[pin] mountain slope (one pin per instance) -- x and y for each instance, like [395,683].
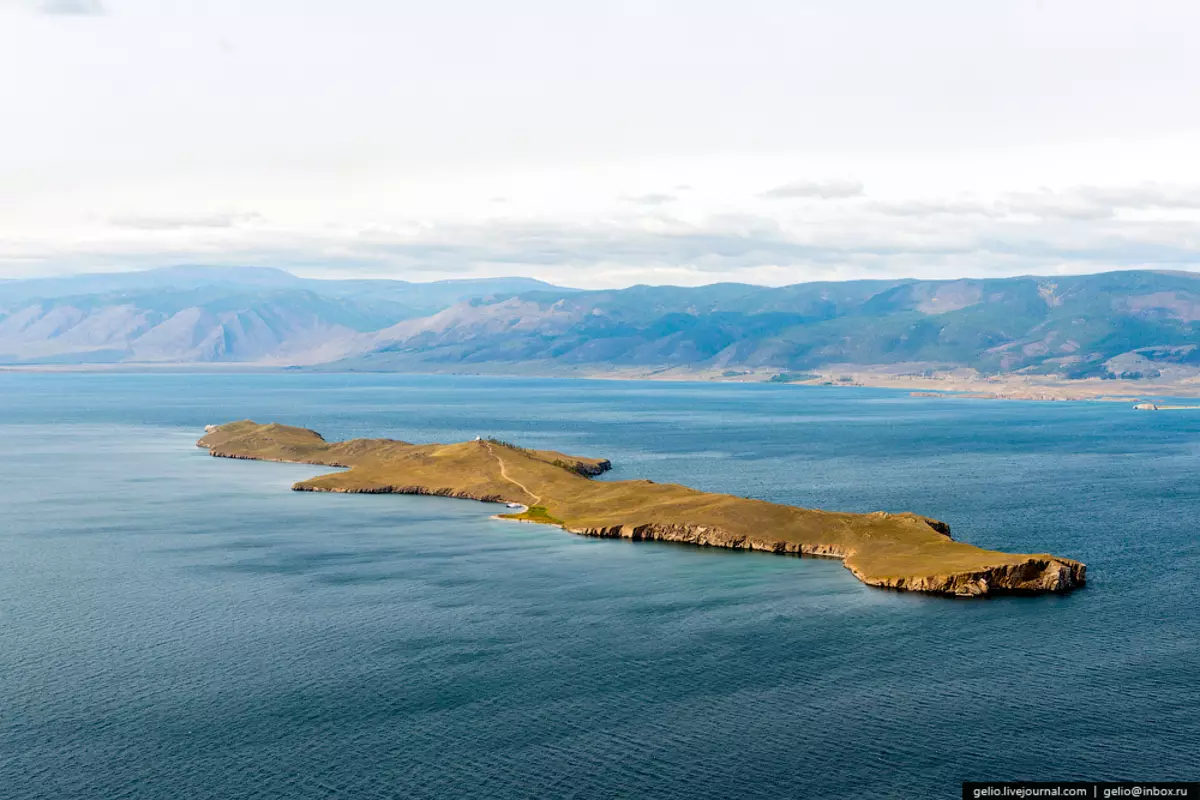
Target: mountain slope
[1077,326]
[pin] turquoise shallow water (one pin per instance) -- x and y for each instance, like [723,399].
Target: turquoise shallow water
[173,625]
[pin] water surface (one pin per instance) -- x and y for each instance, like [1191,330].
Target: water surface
[173,625]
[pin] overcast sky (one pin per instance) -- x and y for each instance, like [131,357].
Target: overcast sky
[601,143]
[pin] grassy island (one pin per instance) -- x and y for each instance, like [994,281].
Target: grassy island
[899,551]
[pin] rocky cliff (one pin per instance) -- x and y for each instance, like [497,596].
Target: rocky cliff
[1036,574]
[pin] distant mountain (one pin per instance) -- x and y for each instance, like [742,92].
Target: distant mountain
[196,314]
[168,278]
[1139,324]
[1134,323]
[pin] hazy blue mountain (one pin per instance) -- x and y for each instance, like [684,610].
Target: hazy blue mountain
[437,294]
[1112,323]
[1132,323]
[167,278]
[195,314]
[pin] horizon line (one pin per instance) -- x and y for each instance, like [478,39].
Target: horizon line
[249,268]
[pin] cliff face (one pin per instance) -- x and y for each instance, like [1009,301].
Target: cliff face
[593,469]
[710,537]
[418,490]
[907,552]
[1036,574]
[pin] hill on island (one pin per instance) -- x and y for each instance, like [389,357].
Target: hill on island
[1135,324]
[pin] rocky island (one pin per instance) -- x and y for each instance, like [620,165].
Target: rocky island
[899,551]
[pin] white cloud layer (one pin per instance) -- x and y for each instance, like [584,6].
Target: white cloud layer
[601,144]
[85,7]
[826,190]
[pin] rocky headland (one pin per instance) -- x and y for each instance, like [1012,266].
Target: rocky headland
[898,551]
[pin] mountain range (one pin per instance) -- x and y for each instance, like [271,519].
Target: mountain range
[202,314]
[1131,324]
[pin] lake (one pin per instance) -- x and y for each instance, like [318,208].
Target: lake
[179,626]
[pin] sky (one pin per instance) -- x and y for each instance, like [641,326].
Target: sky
[601,144]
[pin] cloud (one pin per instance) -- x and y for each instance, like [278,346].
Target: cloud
[1100,202]
[824,190]
[71,7]
[1039,232]
[1070,205]
[1074,203]
[1147,195]
[650,199]
[228,220]
[722,246]
[930,208]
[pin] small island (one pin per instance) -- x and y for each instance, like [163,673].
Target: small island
[898,551]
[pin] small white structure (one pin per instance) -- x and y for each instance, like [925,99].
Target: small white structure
[1145,407]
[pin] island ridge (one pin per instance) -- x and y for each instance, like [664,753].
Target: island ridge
[900,551]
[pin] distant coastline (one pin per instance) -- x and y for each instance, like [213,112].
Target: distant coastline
[948,384]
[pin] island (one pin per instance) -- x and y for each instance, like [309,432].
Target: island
[898,551]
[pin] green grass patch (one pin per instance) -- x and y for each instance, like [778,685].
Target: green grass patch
[535,514]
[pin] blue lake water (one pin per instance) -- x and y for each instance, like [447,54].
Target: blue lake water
[178,626]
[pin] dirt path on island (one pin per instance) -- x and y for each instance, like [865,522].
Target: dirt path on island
[504,474]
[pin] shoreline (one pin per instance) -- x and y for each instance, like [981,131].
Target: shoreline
[956,384]
[524,509]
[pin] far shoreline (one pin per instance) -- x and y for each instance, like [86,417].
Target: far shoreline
[955,384]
